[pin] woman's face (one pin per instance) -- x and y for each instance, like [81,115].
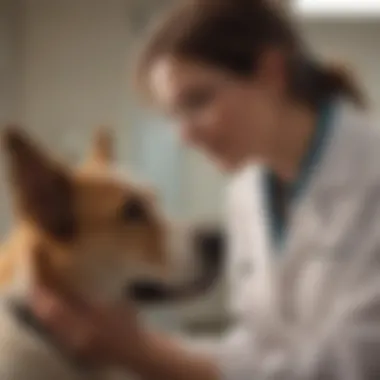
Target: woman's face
[231,119]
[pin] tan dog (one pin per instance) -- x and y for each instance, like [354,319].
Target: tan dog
[97,230]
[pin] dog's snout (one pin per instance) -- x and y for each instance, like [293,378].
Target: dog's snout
[208,249]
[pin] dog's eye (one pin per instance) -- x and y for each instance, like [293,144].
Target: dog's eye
[134,211]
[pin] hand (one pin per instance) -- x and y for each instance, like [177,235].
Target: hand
[91,333]
[111,337]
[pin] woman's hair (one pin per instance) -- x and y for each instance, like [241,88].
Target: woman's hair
[232,35]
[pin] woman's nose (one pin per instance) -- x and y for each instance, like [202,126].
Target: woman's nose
[190,133]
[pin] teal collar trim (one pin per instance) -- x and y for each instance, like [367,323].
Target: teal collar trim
[294,192]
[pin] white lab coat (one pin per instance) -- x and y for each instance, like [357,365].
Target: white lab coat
[311,311]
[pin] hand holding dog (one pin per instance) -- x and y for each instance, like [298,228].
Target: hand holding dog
[110,336]
[92,333]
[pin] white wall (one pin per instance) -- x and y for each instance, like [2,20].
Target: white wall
[10,81]
[74,72]
[9,35]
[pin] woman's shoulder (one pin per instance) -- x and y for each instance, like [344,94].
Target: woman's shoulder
[354,147]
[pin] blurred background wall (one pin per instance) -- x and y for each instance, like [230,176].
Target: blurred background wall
[64,71]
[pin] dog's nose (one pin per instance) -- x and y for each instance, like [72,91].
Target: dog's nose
[148,292]
[210,245]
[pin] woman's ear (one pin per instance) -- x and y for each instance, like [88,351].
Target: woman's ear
[42,188]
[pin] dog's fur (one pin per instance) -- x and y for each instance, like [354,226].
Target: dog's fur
[96,231]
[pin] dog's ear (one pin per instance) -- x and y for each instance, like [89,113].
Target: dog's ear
[43,189]
[102,148]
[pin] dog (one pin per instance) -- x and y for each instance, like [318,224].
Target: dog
[102,234]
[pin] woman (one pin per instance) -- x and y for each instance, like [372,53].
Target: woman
[304,206]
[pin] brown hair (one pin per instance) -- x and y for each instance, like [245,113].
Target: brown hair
[232,34]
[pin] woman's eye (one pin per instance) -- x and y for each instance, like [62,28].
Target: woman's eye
[134,211]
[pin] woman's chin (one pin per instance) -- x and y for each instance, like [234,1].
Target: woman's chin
[225,162]
[230,166]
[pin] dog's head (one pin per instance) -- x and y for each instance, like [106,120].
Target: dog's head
[102,232]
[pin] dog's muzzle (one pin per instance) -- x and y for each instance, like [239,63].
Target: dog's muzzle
[210,246]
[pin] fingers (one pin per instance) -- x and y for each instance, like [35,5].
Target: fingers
[54,312]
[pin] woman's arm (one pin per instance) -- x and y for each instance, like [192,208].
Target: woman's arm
[160,356]
[163,358]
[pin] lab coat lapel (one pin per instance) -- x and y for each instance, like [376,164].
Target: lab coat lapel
[319,220]
[264,280]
